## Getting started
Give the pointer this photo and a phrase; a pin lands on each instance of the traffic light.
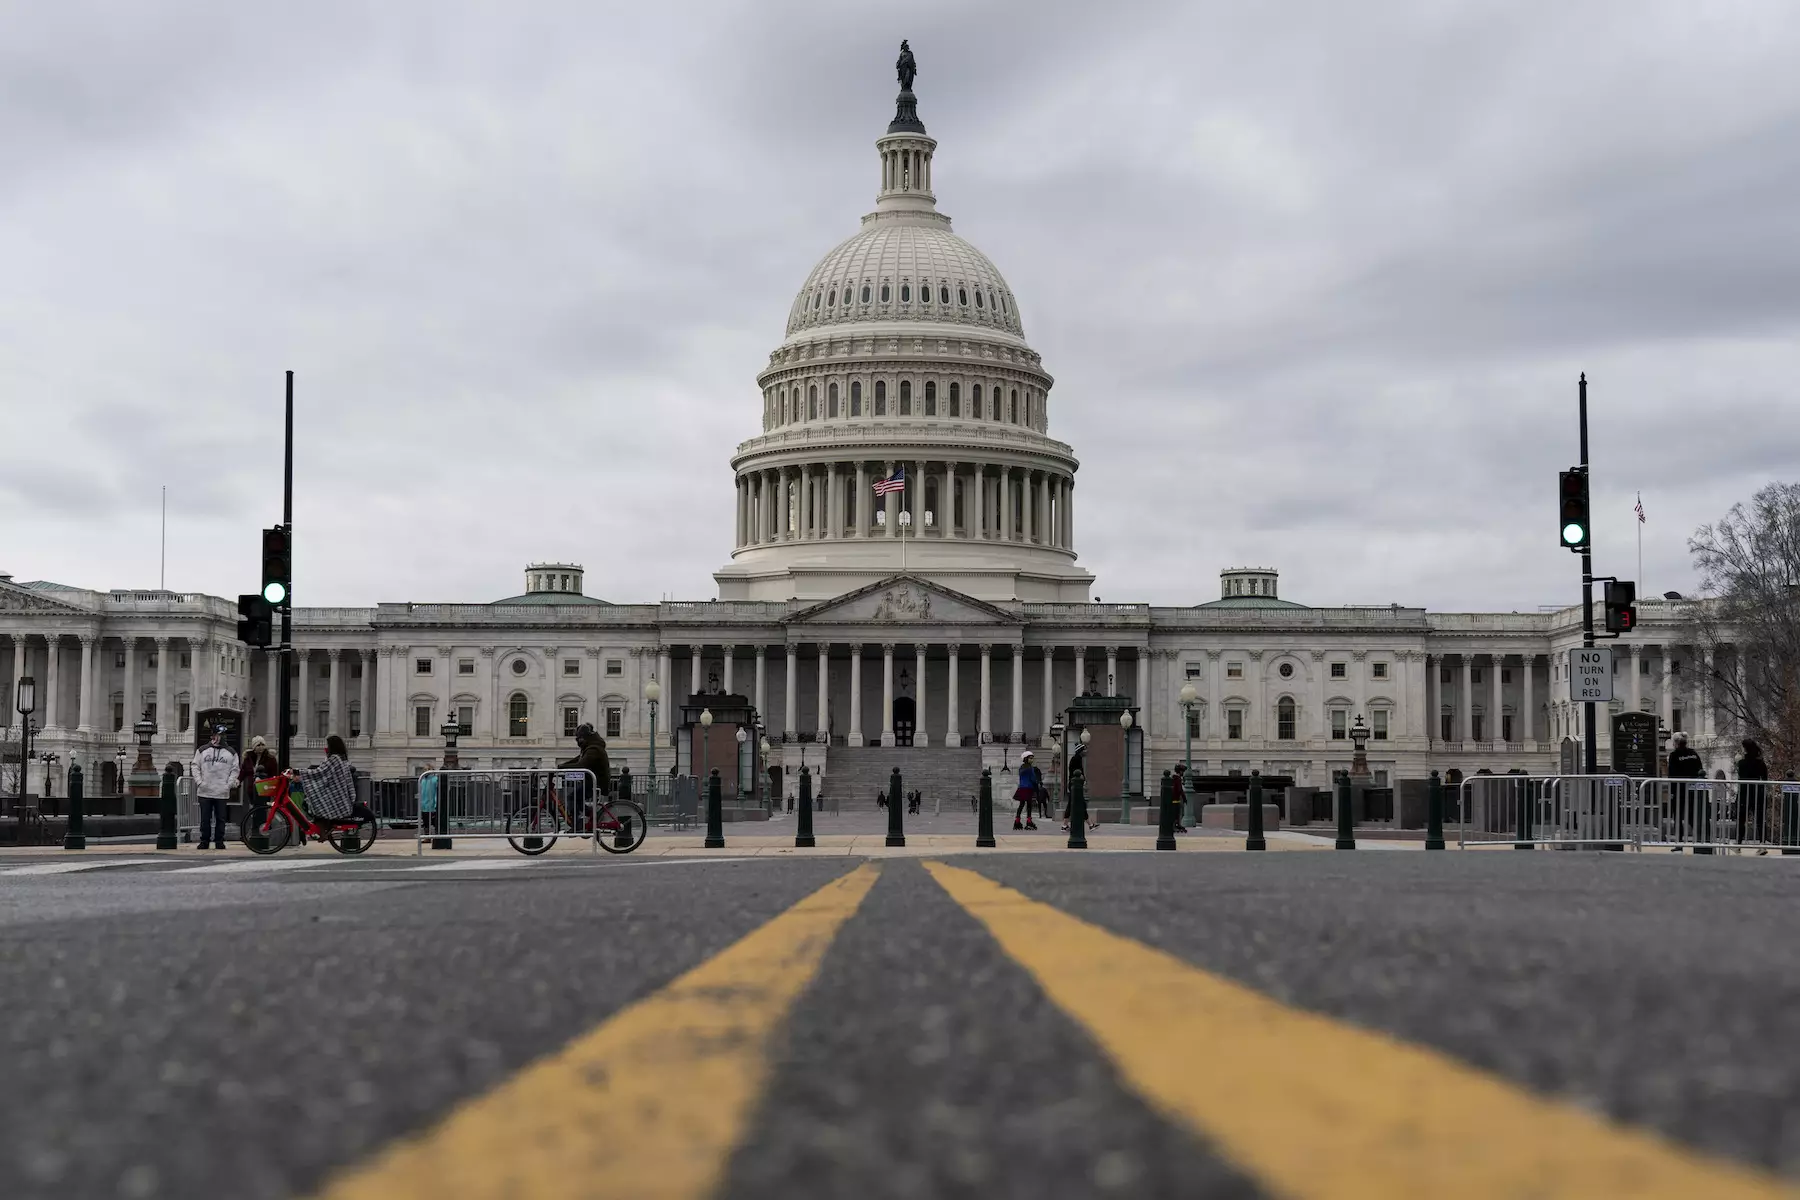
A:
(277, 565)
(1572, 490)
(1621, 606)
(256, 621)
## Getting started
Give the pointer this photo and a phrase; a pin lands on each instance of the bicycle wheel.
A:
(632, 827)
(531, 830)
(280, 829)
(355, 835)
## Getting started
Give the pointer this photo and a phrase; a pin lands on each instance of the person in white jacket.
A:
(214, 770)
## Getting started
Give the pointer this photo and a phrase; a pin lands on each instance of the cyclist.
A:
(592, 757)
(330, 787)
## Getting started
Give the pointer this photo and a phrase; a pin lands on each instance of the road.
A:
(1009, 1024)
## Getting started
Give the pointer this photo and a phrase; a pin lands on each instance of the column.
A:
(742, 510)
(1497, 727)
(862, 515)
(1214, 718)
(1043, 514)
(1049, 682)
(730, 653)
(887, 686)
(1465, 709)
(824, 692)
(367, 658)
(761, 690)
(1527, 701)
(1703, 671)
(335, 722)
(1018, 692)
(52, 718)
(1665, 679)
(1080, 670)
(920, 737)
(1635, 653)
(300, 657)
(447, 672)
(855, 737)
(1112, 670)
(951, 736)
(834, 500)
(85, 721)
(890, 505)
(947, 502)
(978, 522)
(790, 692)
(987, 679)
(1143, 689)
(1069, 514)
(663, 676)
(1317, 719)
(164, 726)
(1431, 706)
(272, 661)
(693, 670)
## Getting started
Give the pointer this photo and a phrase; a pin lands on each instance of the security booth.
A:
(1109, 736)
(707, 739)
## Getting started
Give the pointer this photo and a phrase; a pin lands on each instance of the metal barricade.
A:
(187, 808)
(492, 804)
(1719, 814)
(395, 802)
(1546, 810)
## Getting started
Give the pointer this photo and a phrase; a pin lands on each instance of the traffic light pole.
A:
(287, 602)
(1589, 735)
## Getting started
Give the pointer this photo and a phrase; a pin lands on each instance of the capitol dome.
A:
(905, 420)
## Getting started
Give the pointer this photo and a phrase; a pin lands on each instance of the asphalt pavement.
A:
(267, 1031)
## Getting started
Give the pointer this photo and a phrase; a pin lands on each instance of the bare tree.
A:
(1748, 621)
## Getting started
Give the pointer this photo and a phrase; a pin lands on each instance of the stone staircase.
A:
(855, 774)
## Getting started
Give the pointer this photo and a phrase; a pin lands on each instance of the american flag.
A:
(893, 483)
(1640, 508)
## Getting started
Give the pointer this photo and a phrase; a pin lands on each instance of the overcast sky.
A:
(1315, 280)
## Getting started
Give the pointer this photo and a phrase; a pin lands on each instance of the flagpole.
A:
(1640, 532)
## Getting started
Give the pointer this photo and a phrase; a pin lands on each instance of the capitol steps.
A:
(856, 774)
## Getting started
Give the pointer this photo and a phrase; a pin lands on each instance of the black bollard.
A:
(166, 837)
(715, 813)
(1078, 813)
(1256, 840)
(1346, 838)
(896, 816)
(984, 821)
(75, 837)
(1165, 816)
(1434, 813)
(803, 831)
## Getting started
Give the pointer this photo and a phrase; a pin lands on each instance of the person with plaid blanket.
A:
(330, 787)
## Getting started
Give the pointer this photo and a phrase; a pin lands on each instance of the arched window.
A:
(975, 401)
(847, 290)
(865, 293)
(931, 398)
(1284, 720)
(925, 294)
(906, 397)
(944, 293)
(906, 293)
(962, 296)
(978, 303)
(812, 402)
(818, 298)
(881, 397)
(1013, 407)
(956, 399)
(831, 399)
(1002, 299)
(856, 397)
(518, 715)
(832, 298)
(885, 293)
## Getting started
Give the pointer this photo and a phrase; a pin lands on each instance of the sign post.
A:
(1591, 674)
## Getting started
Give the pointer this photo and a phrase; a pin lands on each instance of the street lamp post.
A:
(450, 729)
(652, 693)
(50, 762)
(1189, 699)
(706, 720)
(743, 738)
(1359, 738)
(119, 770)
(1057, 729)
(27, 704)
(1125, 786)
(763, 745)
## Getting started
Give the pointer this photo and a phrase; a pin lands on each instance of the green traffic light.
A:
(1573, 534)
(274, 591)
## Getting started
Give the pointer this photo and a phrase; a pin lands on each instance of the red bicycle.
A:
(277, 817)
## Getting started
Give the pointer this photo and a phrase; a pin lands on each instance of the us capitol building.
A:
(952, 617)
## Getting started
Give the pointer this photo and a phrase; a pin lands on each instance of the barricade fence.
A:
(1620, 811)
(509, 804)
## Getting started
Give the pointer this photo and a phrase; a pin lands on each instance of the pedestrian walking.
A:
(1178, 795)
(1753, 797)
(215, 772)
(1685, 763)
(1026, 794)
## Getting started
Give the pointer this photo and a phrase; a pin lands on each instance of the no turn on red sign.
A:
(1591, 674)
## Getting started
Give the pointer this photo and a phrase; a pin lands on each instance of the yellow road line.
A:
(1317, 1109)
(650, 1103)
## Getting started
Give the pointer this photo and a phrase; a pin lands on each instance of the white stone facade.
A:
(970, 624)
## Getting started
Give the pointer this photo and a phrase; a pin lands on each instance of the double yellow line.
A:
(653, 1102)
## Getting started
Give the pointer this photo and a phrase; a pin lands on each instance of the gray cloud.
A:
(1315, 282)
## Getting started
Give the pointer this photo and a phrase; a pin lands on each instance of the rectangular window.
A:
(1234, 724)
(356, 720)
(1340, 724)
(321, 719)
(571, 666)
(931, 398)
(518, 716)
(1234, 670)
(118, 716)
(465, 666)
(465, 721)
(1674, 666)
(421, 666)
(119, 661)
(1447, 727)
(1506, 727)
(1379, 670)
(1337, 670)
(615, 721)
(1675, 715)
(1475, 727)
(422, 720)
(1380, 727)
(187, 660)
(615, 666)
(356, 669)
(1475, 675)
(1505, 674)
(151, 662)
(856, 398)
(1193, 723)
(151, 709)
(906, 397)
(1643, 666)
(571, 720)
(1444, 675)
(881, 397)
(1192, 670)
(187, 716)
(956, 399)
(1284, 723)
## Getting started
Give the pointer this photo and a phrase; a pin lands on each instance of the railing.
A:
(1618, 811)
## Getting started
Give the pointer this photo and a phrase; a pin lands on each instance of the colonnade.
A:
(216, 675)
(957, 500)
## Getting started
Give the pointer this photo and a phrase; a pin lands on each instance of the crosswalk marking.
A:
(1382, 1118)
(472, 864)
(66, 867)
(253, 866)
(650, 1103)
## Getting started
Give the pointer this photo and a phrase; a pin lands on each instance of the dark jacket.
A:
(1749, 767)
(258, 766)
(1684, 763)
(593, 758)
